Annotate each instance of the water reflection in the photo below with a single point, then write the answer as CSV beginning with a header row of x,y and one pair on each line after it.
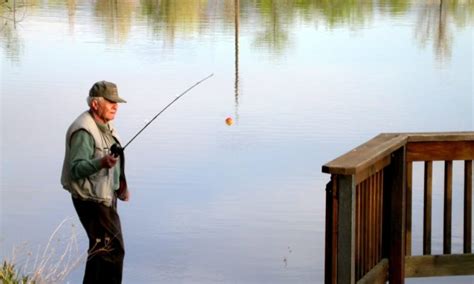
x,y
394,7
116,18
168,18
352,13
274,34
434,25
11,41
71,13
12,13
273,19
236,48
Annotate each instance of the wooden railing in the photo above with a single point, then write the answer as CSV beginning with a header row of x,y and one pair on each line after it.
x,y
369,209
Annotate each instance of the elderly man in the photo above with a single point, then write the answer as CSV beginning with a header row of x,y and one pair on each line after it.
x,y
95,178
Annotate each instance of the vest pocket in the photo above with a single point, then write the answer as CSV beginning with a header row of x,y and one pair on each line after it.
x,y
102,173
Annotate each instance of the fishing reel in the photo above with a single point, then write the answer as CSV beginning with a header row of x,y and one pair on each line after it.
x,y
116,150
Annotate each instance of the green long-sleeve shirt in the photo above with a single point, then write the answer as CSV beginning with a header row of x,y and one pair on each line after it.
x,y
82,153
82,159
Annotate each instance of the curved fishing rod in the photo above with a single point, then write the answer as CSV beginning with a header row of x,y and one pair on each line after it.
x,y
116,149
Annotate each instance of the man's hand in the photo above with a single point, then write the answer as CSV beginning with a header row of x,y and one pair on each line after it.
x,y
108,161
125,196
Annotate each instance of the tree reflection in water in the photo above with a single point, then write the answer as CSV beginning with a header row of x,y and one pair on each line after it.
x,y
12,13
271,20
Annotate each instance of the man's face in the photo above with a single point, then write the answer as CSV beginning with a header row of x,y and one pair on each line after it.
x,y
104,110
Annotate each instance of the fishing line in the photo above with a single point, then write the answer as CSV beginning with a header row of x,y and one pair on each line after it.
x,y
116,149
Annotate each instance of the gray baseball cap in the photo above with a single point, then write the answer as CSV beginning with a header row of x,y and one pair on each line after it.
x,y
107,90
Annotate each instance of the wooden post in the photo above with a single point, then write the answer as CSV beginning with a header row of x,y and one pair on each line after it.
x,y
395,188
346,230
330,265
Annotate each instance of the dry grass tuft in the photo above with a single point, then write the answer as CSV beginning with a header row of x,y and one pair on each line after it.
x,y
51,264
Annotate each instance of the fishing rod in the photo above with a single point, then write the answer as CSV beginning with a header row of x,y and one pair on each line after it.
x,y
117,150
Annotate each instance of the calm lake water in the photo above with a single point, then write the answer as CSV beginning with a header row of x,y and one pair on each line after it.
x,y
304,81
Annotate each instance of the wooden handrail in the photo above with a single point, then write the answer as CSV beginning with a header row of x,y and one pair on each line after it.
x,y
374,150
365,155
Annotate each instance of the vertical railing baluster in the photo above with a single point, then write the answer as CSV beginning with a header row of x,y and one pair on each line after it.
x,y
448,193
409,173
467,247
364,227
382,193
370,227
427,201
376,218
372,218
358,230
367,225
367,237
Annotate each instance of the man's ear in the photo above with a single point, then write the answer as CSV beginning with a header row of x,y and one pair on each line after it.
x,y
95,105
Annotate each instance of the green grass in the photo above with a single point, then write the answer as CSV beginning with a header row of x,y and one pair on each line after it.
x,y
10,275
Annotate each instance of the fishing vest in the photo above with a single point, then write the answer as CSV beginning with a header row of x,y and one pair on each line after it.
x,y
97,187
